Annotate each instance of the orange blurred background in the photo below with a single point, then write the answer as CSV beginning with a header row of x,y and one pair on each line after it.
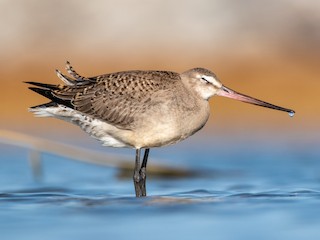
x,y
266,49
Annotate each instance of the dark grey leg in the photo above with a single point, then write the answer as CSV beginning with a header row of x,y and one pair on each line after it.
x,y
143,172
145,158
136,175
139,175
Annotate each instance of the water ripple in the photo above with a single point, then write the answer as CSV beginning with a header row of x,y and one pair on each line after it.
x,y
67,197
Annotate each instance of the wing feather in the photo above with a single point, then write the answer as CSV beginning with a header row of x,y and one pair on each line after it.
x,y
117,98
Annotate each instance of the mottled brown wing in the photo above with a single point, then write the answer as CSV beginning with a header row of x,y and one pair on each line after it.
x,y
118,98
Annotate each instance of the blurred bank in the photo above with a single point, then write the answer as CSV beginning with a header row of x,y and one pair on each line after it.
x,y
266,49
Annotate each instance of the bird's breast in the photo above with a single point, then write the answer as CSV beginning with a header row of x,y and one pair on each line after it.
x,y
170,123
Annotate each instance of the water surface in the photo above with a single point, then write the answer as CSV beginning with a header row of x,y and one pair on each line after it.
x,y
239,194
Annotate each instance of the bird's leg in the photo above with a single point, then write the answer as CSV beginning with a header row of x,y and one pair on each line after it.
x,y
140,173
143,172
136,175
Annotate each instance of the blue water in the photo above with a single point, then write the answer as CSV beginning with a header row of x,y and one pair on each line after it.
x,y
264,190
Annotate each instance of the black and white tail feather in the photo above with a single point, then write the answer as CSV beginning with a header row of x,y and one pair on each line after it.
x,y
46,90
77,78
56,104
62,108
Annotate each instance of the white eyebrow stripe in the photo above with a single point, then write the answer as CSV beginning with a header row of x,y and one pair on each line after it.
x,y
208,78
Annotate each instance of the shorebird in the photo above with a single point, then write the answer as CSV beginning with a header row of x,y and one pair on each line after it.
x,y
137,109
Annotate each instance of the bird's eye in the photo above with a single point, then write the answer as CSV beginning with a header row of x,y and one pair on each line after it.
x,y
205,80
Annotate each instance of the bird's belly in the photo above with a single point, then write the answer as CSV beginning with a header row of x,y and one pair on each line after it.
x,y
166,128
163,128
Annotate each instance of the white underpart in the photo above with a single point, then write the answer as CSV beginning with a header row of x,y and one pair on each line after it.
x,y
98,129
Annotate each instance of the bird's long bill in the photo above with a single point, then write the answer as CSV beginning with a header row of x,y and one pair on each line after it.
x,y
227,92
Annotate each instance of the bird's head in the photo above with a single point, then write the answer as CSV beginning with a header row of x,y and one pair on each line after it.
x,y
206,84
